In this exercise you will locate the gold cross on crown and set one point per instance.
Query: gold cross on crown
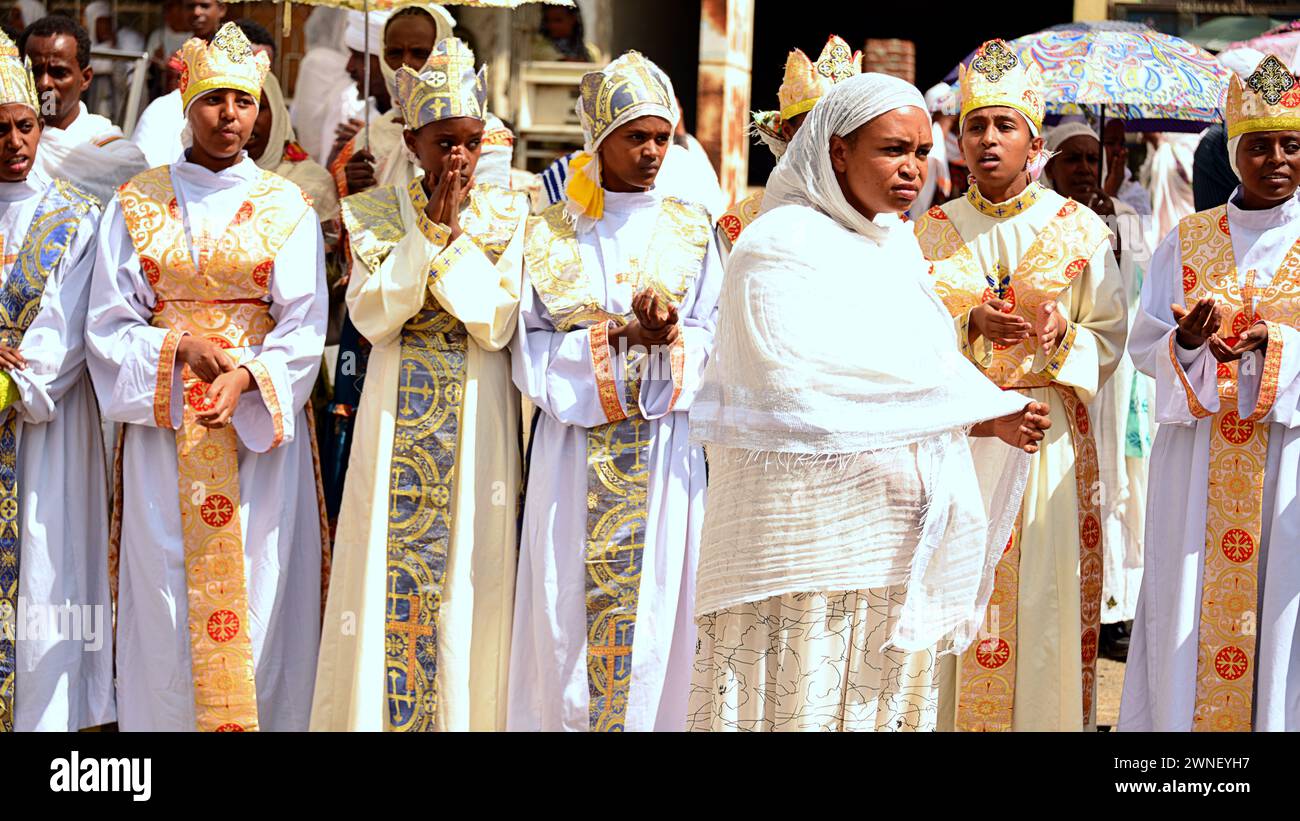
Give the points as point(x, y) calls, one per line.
point(837, 65)
point(1271, 80)
point(994, 61)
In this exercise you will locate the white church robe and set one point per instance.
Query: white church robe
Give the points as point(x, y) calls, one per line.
point(64, 678)
point(477, 589)
point(555, 370)
point(1160, 682)
point(279, 513)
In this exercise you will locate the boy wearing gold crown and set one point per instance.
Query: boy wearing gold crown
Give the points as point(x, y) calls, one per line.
point(1215, 637)
point(52, 555)
point(207, 321)
point(417, 629)
point(613, 335)
point(1039, 305)
point(804, 84)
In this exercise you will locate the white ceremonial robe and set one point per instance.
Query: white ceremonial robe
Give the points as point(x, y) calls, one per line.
point(63, 683)
point(1161, 678)
point(158, 132)
point(474, 619)
point(91, 153)
point(279, 512)
point(548, 661)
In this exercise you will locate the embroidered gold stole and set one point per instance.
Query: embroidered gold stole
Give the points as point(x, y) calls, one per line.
point(1225, 670)
point(986, 676)
point(426, 436)
point(618, 469)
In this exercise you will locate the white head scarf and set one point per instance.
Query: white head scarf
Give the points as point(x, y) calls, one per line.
point(443, 24)
point(805, 176)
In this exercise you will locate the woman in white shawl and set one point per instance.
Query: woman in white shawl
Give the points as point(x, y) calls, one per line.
point(846, 532)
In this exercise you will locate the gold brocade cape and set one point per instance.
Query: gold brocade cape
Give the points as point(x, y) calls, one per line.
point(427, 431)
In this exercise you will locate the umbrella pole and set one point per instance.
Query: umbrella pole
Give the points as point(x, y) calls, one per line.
point(365, 93)
point(1101, 138)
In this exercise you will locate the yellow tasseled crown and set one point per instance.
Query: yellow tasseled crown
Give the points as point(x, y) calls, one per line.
point(446, 86)
point(227, 62)
point(997, 77)
point(805, 81)
point(16, 84)
point(1267, 100)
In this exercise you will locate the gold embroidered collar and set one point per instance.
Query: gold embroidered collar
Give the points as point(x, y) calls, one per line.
point(1002, 210)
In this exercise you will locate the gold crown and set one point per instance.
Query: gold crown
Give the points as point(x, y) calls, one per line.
point(627, 88)
point(805, 81)
point(227, 62)
point(996, 77)
point(16, 84)
point(1267, 100)
point(446, 86)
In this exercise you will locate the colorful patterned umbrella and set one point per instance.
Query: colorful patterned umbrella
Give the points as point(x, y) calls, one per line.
point(1152, 81)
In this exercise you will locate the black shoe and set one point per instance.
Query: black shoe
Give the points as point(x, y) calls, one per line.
point(1114, 641)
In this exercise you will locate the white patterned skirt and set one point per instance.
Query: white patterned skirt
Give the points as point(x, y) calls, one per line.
point(810, 661)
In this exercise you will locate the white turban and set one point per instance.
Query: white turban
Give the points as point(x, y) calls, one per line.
point(1068, 131)
point(805, 176)
point(939, 99)
point(355, 36)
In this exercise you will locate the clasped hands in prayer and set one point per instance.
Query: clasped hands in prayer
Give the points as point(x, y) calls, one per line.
point(994, 321)
point(654, 323)
point(449, 193)
point(1199, 326)
point(226, 381)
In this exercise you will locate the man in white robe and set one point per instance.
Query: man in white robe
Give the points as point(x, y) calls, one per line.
point(56, 670)
point(603, 632)
point(83, 148)
point(209, 282)
point(1215, 642)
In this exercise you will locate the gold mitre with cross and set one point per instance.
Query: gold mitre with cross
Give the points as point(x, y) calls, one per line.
point(806, 82)
point(227, 62)
point(628, 88)
point(997, 77)
point(1267, 100)
point(16, 83)
point(446, 86)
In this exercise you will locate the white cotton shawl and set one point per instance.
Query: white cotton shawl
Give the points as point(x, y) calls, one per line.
point(835, 364)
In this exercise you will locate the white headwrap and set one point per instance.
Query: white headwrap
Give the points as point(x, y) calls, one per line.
point(941, 99)
point(443, 23)
point(1056, 137)
point(804, 176)
point(354, 37)
point(809, 370)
